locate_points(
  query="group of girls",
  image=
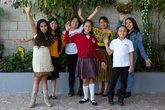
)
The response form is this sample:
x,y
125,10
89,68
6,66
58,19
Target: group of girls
x,y
81,46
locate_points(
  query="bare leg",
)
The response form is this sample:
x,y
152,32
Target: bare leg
x,y
34,92
106,85
45,91
99,88
53,83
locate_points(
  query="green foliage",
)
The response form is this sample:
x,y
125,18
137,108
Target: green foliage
x,y
151,11
13,63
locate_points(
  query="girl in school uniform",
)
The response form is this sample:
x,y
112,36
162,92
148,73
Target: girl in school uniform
x,y
86,68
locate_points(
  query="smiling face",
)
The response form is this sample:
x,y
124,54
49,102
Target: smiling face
x,y
103,24
74,23
43,27
129,25
122,32
87,27
53,25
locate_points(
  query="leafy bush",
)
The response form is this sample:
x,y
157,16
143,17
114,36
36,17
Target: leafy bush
x,y
13,63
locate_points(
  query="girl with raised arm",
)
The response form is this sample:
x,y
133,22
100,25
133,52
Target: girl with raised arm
x,y
42,65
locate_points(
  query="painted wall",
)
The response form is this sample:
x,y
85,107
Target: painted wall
x,y
22,82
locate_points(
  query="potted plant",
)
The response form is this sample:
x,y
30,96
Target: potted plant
x,y
123,6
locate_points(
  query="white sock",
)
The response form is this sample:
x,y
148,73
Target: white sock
x,y
85,90
92,91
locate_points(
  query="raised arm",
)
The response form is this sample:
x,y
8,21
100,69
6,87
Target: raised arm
x,y
80,14
67,27
121,19
94,13
90,16
30,19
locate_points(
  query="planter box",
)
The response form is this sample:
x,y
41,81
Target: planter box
x,y
145,82
23,82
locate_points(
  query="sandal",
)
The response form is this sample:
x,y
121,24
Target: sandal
x,y
83,101
99,93
93,102
105,94
52,97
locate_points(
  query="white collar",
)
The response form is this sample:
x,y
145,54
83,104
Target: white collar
x,y
88,36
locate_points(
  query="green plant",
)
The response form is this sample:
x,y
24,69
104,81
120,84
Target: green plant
x,y
153,16
13,63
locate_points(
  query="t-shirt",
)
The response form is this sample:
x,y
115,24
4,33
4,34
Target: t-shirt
x,y
121,50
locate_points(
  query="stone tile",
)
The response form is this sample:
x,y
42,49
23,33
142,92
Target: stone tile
x,y
20,101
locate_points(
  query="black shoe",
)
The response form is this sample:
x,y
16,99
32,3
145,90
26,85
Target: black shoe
x,y
128,94
52,97
93,102
121,100
80,91
83,101
71,93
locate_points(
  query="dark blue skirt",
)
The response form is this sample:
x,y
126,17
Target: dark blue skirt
x,y
86,68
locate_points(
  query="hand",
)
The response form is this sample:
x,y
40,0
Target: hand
x,y
103,65
121,16
131,69
67,26
79,12
148,62
106,41
97,8
26,8
17,41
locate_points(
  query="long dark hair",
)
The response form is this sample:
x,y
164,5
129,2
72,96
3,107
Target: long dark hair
x,y
91,32
42,39
57,33
79,22
135,26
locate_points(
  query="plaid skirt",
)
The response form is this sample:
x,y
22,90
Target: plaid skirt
x,y
86,68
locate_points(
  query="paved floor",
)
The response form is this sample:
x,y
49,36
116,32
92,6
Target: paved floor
x,y
19,101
